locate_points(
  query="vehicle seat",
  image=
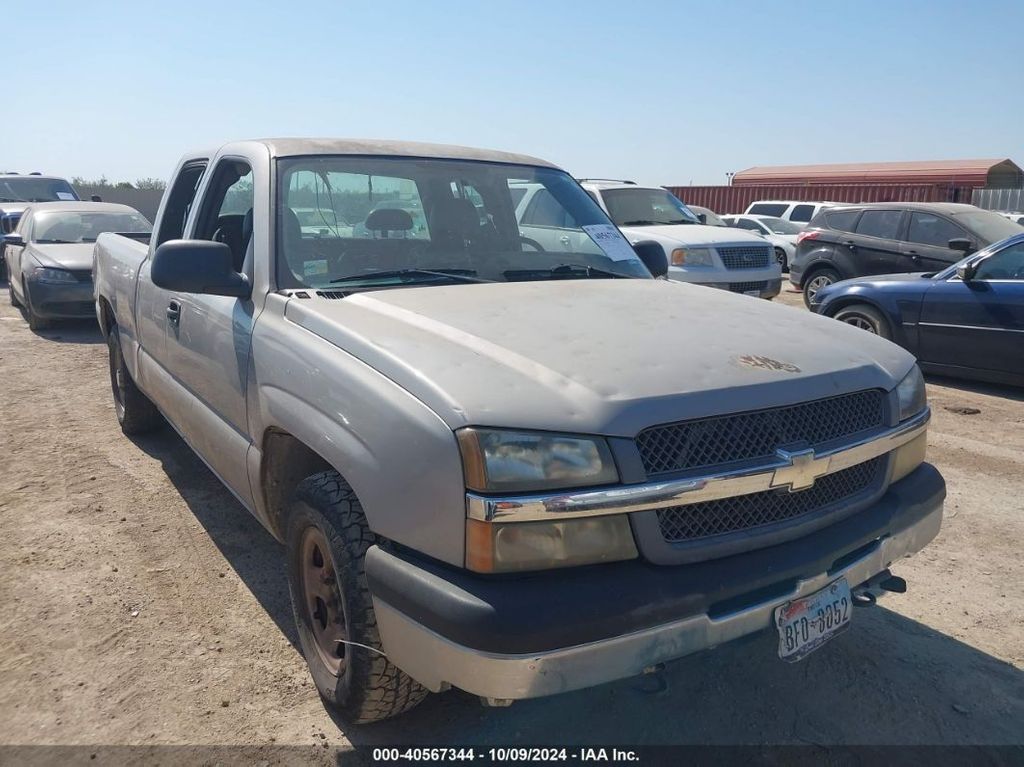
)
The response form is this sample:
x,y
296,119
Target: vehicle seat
x,y
454,225
383,252
296,249
229,231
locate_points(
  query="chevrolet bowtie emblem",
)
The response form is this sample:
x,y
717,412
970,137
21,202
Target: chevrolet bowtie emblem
x,y
802,469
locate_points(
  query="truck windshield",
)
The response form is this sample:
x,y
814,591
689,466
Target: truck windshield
x,y
646,207
63,226
35,189
384,222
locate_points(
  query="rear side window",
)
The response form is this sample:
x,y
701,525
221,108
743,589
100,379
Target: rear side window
x,y
929,229
750,224
843,220
802,213
179,202
880,223
768,208
545,210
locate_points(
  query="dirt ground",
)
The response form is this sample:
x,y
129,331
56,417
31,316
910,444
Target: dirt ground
x,y
142,605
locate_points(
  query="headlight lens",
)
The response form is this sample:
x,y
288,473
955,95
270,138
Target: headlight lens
x,y
46,274
911,394
692,257
520,461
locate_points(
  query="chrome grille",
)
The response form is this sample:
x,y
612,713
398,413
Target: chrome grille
x,y
743,287
747,512
752,257
758,434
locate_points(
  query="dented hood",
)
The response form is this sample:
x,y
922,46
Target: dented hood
x,y
597,356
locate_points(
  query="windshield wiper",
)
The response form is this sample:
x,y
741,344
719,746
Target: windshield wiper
x,y
647,222
57,242
561,271
459,275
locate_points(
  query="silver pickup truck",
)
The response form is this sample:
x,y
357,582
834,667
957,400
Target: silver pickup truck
x,y
497,467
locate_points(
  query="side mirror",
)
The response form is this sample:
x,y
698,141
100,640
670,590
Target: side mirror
x,y
13,239
966,272
962,244
198,266
96,198
702,217
653,256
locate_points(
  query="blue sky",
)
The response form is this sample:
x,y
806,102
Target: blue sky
x,y
662,92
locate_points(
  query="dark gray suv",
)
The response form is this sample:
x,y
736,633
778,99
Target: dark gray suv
x,y
890,237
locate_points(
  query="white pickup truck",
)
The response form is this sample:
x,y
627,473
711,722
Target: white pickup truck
x,y
497,464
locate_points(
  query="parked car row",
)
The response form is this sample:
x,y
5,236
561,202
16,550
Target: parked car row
x,y
19,191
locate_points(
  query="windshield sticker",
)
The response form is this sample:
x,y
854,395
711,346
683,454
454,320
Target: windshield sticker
x,y
314,268
67,196
611,241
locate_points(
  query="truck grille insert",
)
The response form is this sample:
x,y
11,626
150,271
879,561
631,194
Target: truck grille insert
x,y
748,512
758,434
743,287
745,258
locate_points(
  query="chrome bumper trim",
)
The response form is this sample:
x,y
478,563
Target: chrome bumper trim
x,y
437,662
795,470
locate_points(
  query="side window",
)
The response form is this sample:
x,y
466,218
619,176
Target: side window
x,y
880,223
842,220
224,215
929,229
802,213
750,224
768,209
1007,264
545,210
179,202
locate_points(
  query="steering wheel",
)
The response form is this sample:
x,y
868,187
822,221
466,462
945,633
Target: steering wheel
x,y
532,243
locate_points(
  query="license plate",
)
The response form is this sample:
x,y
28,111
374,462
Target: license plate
x,y
753,292
806,624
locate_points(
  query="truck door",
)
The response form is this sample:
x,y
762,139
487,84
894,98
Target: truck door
x,y
875,245
207,337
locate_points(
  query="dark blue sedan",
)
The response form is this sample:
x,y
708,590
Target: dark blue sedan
x,y
965,321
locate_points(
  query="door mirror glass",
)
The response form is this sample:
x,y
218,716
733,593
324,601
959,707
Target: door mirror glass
x,y
966,272
653,256
13,239
961,244
198,266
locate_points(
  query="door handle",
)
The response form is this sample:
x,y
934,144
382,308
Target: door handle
x,y
564,239
174,312
850,244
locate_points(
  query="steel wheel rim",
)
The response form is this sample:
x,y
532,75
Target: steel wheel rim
x,y
859,321
780,256
321,600
816,284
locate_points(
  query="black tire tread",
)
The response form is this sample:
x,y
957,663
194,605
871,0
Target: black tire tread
x,y
807,279
378,689
140,414
881,323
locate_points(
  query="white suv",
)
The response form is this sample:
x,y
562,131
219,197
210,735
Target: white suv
x,y
798,211
713,256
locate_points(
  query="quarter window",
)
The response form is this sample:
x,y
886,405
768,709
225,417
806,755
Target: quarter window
x,y
929,229
545,210
880,223
842,220
179,202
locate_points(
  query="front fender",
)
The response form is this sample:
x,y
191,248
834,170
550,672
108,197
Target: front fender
x,y
902,312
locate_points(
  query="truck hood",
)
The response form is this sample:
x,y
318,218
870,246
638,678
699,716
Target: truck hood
x,y
597,356
75,255
691,234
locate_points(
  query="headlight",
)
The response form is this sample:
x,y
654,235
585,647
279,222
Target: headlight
x,y
493,547
520,461
911,394
46,274
692,257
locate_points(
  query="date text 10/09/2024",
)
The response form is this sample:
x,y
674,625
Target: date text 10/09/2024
x,y
504,754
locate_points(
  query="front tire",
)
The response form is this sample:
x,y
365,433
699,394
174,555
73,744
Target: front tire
x,y
866,318
35,322
327,541
780,257
135,412
819,280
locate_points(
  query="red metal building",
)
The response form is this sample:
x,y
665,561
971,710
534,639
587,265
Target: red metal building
x,y
930,181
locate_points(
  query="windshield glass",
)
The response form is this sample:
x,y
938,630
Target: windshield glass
x,y
386,222
83,226
990,226
646,207
780,225
35,189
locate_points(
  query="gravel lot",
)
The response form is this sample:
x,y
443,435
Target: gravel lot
x,y
144,606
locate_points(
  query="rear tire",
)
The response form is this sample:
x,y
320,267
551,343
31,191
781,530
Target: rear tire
x,y
866,318
135,412
327,540
819,279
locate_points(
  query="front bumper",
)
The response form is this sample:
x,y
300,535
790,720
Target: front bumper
x,y
545,633
61,300
765,282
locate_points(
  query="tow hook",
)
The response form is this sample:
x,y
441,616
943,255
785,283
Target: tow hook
x,y
868,592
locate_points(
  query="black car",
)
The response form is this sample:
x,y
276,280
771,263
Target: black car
x,y
886,238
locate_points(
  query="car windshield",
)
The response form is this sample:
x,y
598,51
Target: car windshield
x,y
646,207
989,226
35,189
375,222
65,226
780,225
